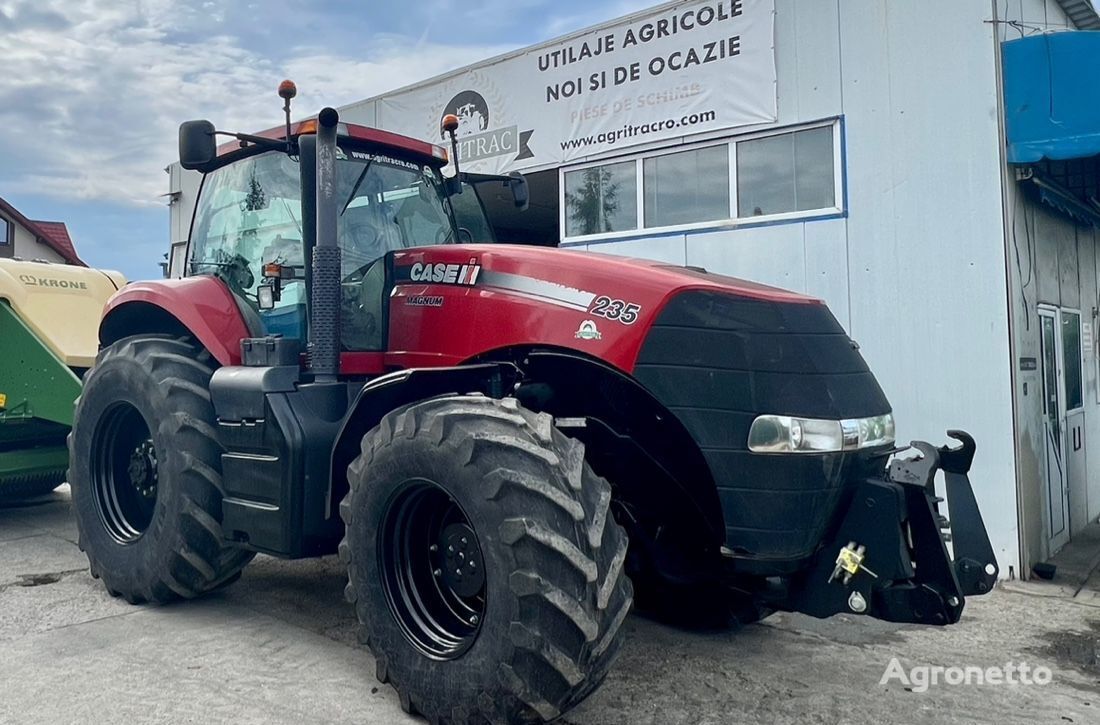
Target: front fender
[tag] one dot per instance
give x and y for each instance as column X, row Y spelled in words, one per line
column 202, row 307
column 395, row 390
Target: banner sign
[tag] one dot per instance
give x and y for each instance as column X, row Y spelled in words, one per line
column 683, row 69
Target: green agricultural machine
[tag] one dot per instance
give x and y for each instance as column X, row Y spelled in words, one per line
column 49, row 318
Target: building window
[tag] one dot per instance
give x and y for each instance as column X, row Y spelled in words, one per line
column 785, row 173
column 1071, row 359
column 778, row 175
column 5, row 231
column 686, row 187
column 601, row 199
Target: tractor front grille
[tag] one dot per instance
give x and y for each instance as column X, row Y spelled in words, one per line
column 717, row 361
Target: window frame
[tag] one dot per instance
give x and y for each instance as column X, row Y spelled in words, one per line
column 839, row 207
column 639, row 194
column 1060, row 337
column 7, row 239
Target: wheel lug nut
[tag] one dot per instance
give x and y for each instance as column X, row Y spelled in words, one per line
column 461, row 555
column 433, row 547
column 474, row 619
column 437, row 572
column 450, row 550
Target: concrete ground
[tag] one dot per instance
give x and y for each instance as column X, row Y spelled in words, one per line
column 279, row 647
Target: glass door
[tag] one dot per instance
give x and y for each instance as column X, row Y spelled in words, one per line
column 1054, row 425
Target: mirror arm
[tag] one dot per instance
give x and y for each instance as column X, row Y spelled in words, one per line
column 257, row 140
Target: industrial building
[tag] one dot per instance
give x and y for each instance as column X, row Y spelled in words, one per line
column 928, row 169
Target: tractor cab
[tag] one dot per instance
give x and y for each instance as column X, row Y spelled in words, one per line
column 252, row 230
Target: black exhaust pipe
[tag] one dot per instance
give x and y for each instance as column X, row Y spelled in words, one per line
column 325, row 303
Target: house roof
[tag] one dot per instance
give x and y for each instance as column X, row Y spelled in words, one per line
column 54, row 235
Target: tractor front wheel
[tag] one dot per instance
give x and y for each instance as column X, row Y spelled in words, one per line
column 145, row 472
column 484, row 562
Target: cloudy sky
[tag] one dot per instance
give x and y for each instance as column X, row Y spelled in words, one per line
column 92, row 91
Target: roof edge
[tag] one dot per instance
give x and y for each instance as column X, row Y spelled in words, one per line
column 655, row 9
column 1082, row 13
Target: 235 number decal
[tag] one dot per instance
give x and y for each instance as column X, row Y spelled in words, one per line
column 624, row 312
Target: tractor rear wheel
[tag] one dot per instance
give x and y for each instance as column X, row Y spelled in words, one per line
column 484, row 563
column 145, row 472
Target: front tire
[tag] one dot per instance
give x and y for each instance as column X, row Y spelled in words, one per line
column 145, row 472
column 533, row 627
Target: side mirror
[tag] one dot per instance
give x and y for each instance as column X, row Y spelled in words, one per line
column 197, row 146
column 521, row 195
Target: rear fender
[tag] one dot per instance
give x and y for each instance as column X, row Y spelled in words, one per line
column 202, row 307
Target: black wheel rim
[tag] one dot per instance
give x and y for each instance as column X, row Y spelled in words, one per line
column 432, row 569
column 124, row 473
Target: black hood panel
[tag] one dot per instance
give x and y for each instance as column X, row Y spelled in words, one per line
column 716, row 362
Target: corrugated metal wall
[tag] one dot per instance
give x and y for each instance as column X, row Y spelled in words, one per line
column 916, row 272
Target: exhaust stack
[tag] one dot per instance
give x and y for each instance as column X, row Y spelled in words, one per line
column 325, row 312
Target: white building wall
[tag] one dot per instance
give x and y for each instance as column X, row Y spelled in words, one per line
column 27, row 247
column 183, row 190
column 916, row 272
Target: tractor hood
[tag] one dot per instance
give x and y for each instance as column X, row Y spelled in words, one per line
column 506, row 295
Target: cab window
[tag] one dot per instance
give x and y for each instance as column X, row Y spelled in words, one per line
column 250, row 214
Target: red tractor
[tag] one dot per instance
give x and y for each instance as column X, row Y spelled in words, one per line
column 480, row 429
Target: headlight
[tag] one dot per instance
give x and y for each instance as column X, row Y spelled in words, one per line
column 787, row 434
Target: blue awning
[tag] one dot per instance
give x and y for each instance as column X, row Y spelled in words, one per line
column 1052, row 107
column 1064, row 201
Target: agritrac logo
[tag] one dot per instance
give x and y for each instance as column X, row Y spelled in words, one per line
column 477, row 139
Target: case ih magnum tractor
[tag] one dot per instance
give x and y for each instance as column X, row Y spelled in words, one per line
column 497, row 440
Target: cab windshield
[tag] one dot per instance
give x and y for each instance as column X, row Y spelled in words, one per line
column 250, row 214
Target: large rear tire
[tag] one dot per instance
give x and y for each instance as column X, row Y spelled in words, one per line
column 145, row 472
column 533, row 625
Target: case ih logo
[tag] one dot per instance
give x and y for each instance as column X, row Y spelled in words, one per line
column 476, row 137
column 439, row 273
column 31, row 281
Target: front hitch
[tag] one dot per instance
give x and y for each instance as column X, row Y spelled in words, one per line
column 889, row 557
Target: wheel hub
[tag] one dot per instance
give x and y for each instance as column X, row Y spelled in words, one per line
column 123, row 465
column 432, row 569
column 462, row 566
column 142, row 469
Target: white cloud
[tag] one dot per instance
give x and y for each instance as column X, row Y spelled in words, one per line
column 595, row 15
column 92, row 91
